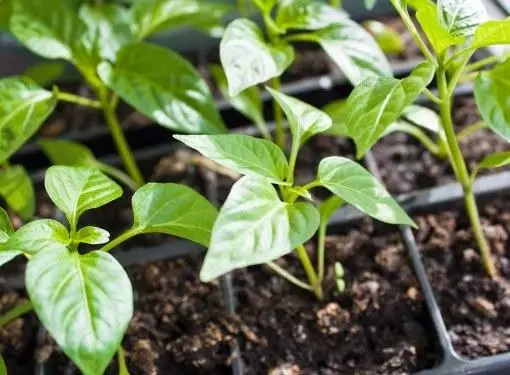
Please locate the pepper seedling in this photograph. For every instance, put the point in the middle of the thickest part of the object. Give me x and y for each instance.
(267, 215)
(454, 30)
(85, 300)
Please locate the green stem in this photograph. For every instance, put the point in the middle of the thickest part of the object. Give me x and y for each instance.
(118, 175)
(16, 312)
(454, 81)
(310, 272)
(431, 96)
(75, 99)
(292, 160)
(460, 168)
(420, 135)
(477, 65)
(471, 129)
(278, 117)
(311, 185)
(264, 131)
(321, 244)
(288, 276)
(120, 141)
(120, 239)
(123, 370)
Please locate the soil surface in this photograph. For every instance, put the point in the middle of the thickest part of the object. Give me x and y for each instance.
(476, 308)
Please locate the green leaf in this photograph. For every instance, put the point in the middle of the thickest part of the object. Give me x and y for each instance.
(329, 207)
(176, 98)
(123, 370)
(305, 121)
(48, 28)
(248, 102)
(496, 160)
(3, 367)
(37, 236)
(307, 15)
(379, 101)
(436, 32)
(352, 49)
(17, 189)
(423, 117)
(173, 209)
(5, 14)
(254, 226)
(108, 29)
(242, 153)
(23, 108)
(151, 16)
(265, 5)
(337, 111)
(77, 189)
(92, 235)
(492, 33)
(5, 225)
(461, 17)
(85, 302)
(247, 59)
(64, 152)
(491, 94)
(45, 73)
(351, 182)
(387, 38)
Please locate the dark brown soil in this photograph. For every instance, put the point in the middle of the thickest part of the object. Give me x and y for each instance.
(476, 308)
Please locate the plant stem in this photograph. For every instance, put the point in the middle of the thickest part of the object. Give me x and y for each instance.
(80, 100)
(16, 312)
(278, 116)
(477, 65)
(420, 135)
(123, 370)
(120, 141)
(118, 175)
(310, 272)
(292, 160)
(460, 168)
(288, 276)
(471, 129)
(431, 96)
(120, 239)
(321, 244)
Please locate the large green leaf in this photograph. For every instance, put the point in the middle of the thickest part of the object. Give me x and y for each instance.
(352, 48)
(247, 59)
(254, 226)
(351, 182)
(241, 153)
(23, 108)
(85, 302)
(305, 121)
(151, 16)
(164, 86)
(437, 34)
(492, 32)
(379, 101)
(307, 15)
(48, 28)
(17, 189)
(77, 189)
(461, 17)
(491, 94)
(173, 209)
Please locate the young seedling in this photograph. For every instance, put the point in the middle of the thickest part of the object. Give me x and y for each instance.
(105, 44)
(454, 31)
(267, 215)
(85, 300)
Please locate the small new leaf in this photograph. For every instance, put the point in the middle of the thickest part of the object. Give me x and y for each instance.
(17, 189)
(242, 153)
(351, 182)
(176, 98)
(92, 235)
(173, 209)
(497, 160)
(247, 59)
(388, 39)
(254, 227)
(84, 301)
(461, 17)
(305, 121)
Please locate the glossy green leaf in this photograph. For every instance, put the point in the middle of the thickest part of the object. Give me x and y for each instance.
(496, 160)
(64, 152)
(352, 49)
(423, 117)
(23, 108)
(242, 153)
(37, 236)
(92, 235)
(436, 32)
(17, 190)
(173, 209)
(388, 39)
(48, 28)
(176, 97)
(305, 121)
(254, 226)
(151, 16)
(77, 189)
(85, 302)
(491, 94)
(492, 33)
(379, 101)
(351, 182)
(461, 17)
(307, 15)
(337, 111)
(45, 73)
(247, 59)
